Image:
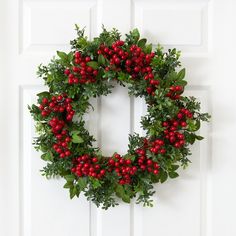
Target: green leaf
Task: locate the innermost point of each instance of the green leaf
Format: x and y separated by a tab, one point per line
65	58
155	178
181	83
198	137
193	125
73	192
135	34
70	56
148	48
120	192
173	175
142	42
82	183
76	138
68	185
69	178
47	156
50	78
181	74
62	55
174	167
126	198
44	94
101	60
197	125
93	64
96	183
189	137
163	176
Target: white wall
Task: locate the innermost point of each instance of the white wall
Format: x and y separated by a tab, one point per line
199	203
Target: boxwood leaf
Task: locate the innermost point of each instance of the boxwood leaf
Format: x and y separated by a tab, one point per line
120	192
148	48
135	34
181	74
47	156
173	175
93	64
76	138
69	178
142	42
198	137
62	55
82	182
101	60
44	94
163	176
68	185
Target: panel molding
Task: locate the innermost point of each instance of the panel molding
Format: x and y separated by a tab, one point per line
182	7
29	202
203	93
30	43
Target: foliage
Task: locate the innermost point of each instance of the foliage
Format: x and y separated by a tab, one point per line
171	122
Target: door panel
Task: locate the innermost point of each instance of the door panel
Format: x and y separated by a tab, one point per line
201	201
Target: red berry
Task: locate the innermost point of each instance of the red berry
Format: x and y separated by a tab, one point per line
67	153
163	151
62	155
75	69
149	162
70	81
177	145
128	162
128	62
44	113
155	172
178	88
59	98
165	124
87	59
77	54
137	69
181	142
180	115
180	136
149	90
41	107
175	123
45	100
67	71
117	61
189	115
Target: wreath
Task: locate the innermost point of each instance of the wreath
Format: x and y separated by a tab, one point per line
170	123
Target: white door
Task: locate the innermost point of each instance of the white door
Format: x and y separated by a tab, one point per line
199	203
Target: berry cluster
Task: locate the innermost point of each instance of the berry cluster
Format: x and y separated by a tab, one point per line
176	138
88	166
174	92
81	72
124	168
146	163
157	146
63	139
132	60
59	104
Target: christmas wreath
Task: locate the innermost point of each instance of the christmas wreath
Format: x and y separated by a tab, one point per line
171	121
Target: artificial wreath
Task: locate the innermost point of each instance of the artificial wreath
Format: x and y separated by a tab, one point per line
171	121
